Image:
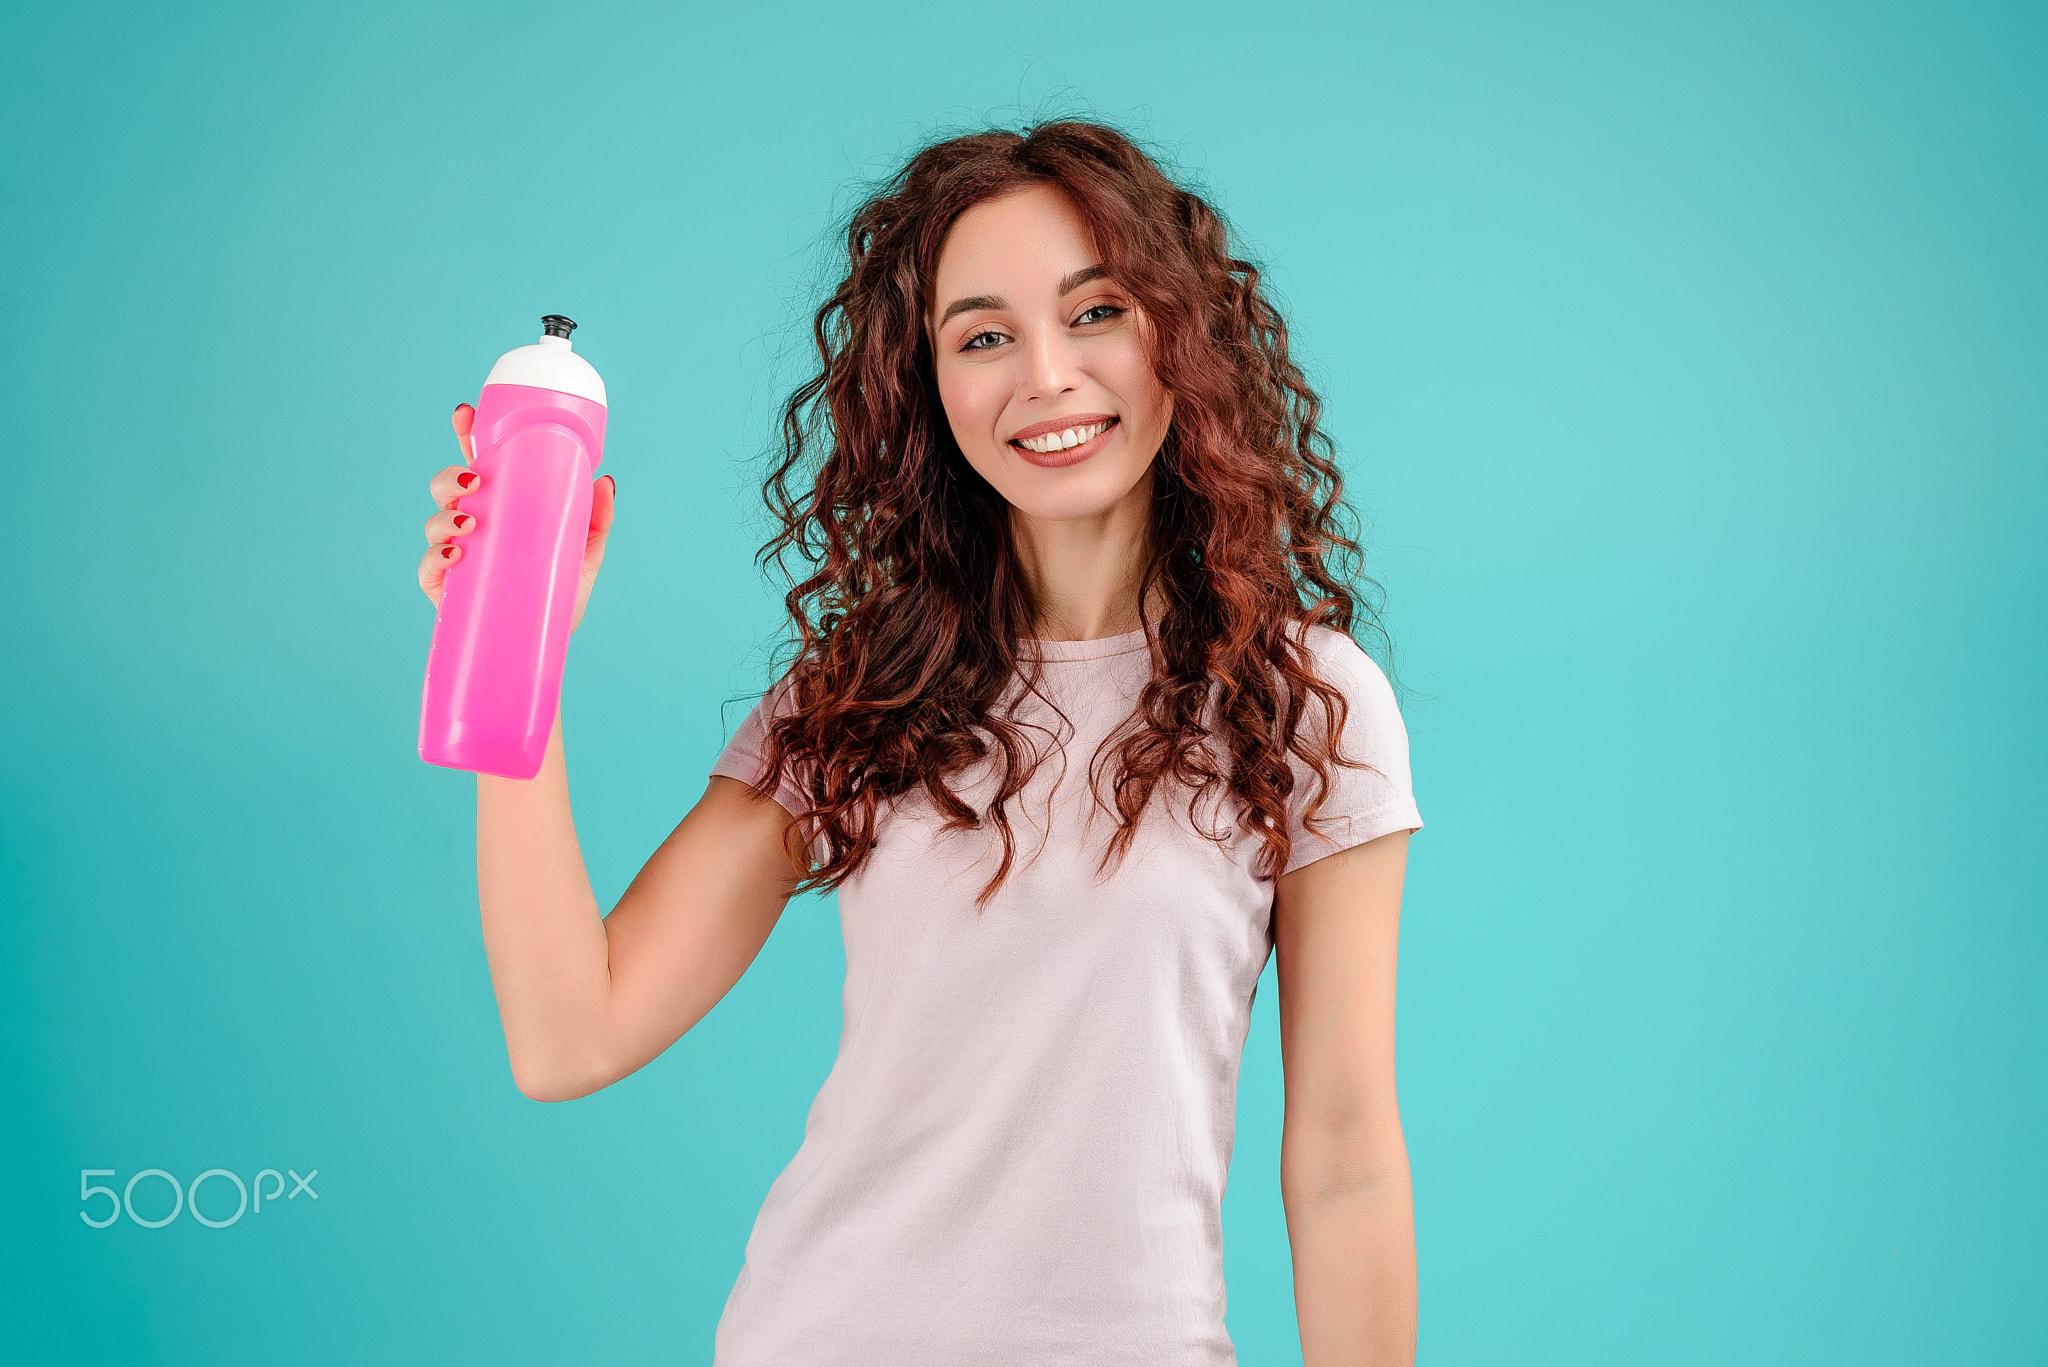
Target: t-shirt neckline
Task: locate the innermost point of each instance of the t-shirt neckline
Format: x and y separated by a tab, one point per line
1099	648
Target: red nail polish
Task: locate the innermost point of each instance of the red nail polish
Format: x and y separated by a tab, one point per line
447	552
461	518
466	478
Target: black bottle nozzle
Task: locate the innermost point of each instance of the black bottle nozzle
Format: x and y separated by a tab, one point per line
555	325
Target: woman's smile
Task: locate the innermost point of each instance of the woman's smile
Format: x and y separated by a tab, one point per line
1064	441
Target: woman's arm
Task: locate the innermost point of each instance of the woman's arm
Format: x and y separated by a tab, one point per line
588	998
1343	1163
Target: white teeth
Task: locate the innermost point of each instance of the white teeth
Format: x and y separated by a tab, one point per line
1062	441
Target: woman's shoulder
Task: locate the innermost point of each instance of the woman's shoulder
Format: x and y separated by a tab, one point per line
1340	661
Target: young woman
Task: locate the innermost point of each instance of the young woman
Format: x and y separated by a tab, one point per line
1077	730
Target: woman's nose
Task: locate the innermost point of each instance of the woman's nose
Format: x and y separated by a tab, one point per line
1050	363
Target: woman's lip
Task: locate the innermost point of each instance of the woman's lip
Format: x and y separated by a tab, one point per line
1039	429
1072	455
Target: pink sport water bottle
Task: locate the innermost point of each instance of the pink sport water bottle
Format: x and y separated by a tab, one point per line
494	671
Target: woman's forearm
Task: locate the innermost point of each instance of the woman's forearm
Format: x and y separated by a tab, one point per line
1351	1225
543	932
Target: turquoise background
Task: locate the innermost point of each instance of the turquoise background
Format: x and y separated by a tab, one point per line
1689	358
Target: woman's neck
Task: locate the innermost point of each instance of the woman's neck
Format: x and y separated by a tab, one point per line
1083	572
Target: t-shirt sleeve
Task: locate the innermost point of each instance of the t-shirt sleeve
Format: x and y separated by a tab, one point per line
745	756
1362	804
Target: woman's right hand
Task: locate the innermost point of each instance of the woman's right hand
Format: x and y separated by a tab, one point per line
450	522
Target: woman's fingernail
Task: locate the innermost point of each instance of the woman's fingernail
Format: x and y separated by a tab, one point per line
447	552
466	478
461	518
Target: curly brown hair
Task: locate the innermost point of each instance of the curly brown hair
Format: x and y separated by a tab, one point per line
911	605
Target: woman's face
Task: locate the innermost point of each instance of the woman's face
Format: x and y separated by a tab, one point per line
1042	361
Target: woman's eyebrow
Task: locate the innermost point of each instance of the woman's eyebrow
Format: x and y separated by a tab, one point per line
1082	277
972	301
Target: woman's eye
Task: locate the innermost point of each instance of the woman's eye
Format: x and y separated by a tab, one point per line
1101	313
981	341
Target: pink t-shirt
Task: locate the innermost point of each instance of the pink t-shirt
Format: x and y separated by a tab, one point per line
1019	1155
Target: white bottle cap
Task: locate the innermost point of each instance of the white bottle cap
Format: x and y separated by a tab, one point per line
550	364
